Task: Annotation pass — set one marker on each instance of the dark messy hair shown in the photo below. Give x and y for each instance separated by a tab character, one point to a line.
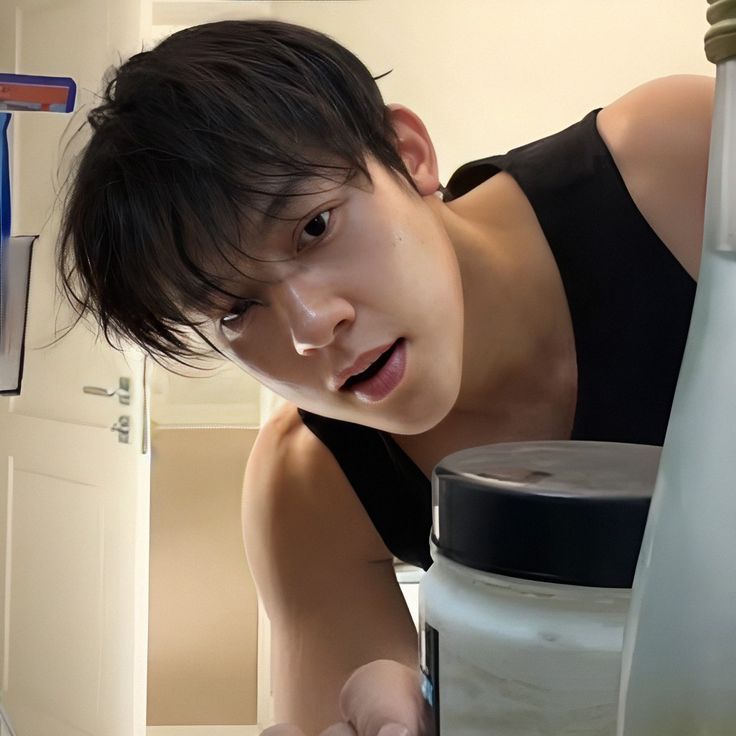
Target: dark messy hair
190	140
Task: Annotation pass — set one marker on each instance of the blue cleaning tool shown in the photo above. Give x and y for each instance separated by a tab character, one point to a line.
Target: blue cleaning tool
19	93
26	93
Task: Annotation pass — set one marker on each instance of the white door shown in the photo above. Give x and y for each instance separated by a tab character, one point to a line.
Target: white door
73	498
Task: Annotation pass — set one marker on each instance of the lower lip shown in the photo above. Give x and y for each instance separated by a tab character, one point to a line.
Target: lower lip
386	380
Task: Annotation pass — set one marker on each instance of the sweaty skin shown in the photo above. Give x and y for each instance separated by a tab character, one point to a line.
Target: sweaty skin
472	290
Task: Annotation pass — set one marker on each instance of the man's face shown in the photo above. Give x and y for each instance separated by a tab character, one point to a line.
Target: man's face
357	313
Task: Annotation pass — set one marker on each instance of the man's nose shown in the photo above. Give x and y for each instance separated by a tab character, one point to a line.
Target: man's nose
315	314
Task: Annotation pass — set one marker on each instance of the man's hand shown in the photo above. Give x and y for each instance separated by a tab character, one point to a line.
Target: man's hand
382	698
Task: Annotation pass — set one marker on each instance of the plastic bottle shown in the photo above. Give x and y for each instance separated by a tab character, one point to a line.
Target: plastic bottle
679	662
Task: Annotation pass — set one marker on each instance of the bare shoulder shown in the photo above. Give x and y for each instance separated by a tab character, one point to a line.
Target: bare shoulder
299	509
659	135
679	95
659	116
285	455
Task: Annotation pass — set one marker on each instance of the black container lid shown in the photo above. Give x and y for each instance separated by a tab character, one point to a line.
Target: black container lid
562	512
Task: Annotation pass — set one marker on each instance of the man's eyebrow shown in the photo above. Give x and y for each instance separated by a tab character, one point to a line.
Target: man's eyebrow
276	204
279	202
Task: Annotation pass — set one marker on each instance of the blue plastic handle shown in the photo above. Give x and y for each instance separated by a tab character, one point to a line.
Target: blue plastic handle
4	178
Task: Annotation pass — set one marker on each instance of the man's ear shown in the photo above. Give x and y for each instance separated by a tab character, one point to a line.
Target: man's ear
415	148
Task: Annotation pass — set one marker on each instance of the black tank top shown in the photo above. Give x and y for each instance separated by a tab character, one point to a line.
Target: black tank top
630	302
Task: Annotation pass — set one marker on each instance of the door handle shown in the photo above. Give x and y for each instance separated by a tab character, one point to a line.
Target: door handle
122	392
122	427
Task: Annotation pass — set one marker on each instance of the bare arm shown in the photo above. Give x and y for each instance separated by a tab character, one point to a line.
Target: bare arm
323	572
659	134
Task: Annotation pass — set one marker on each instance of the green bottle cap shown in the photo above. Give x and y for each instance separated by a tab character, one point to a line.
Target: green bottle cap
720	39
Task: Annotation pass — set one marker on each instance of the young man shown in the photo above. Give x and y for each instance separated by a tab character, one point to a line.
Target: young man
246	191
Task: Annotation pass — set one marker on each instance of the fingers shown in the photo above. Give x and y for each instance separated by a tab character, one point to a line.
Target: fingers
284	729
383	698
393	729
289	729
345	729
339	729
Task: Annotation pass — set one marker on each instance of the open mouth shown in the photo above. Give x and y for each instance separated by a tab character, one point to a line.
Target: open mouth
382	376
372	370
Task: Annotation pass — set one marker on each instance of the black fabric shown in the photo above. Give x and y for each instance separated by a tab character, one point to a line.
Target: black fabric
630	303
393	490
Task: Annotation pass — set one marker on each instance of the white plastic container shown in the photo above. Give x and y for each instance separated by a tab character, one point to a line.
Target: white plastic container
522	612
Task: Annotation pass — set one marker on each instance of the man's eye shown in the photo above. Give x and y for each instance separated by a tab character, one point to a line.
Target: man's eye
315	228
233	317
